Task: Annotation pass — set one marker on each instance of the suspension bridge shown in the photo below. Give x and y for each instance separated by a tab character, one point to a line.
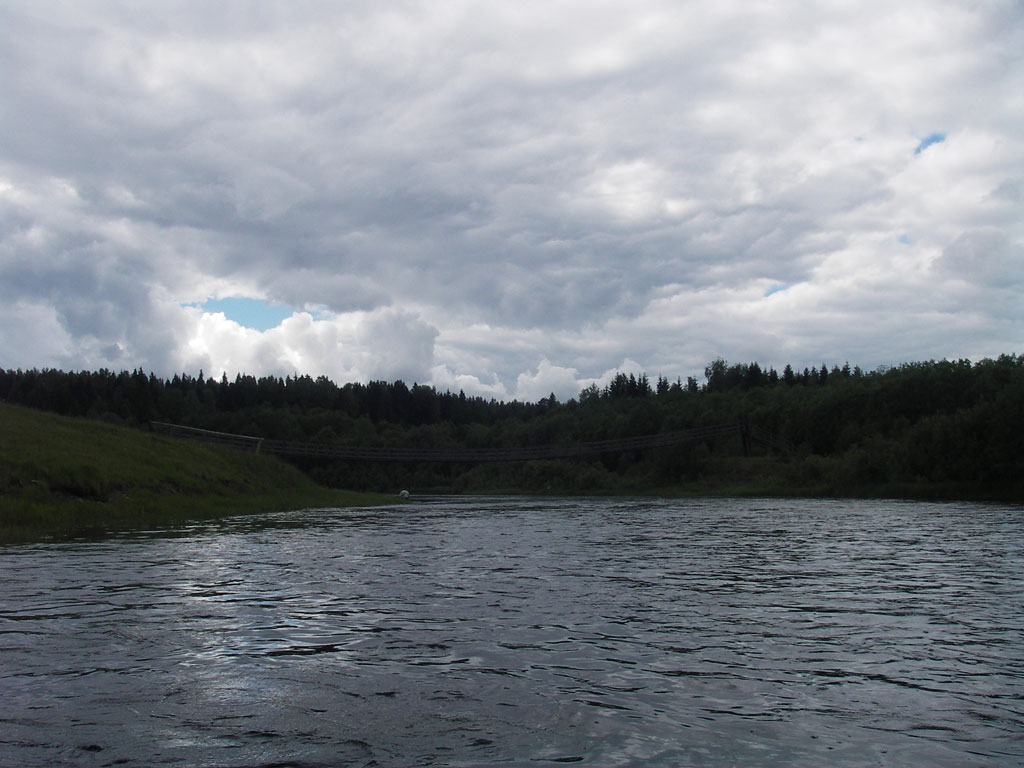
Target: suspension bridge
577	450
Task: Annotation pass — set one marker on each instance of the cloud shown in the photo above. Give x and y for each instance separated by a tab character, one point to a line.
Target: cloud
513	197
546	380
444	379
384	344
985	257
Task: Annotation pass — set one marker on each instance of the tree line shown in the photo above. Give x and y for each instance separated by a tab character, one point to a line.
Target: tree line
954	424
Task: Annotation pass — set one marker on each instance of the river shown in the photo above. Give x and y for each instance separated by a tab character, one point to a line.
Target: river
483	631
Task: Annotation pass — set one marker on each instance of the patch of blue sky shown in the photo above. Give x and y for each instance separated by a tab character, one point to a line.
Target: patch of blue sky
251	313
927	141
776	288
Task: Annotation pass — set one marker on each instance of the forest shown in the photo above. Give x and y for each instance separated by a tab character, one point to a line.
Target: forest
936	429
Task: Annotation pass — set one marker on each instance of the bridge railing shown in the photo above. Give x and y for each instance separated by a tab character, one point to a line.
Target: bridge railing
246	442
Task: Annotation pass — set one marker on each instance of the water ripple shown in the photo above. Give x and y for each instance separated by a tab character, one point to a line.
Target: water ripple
484	631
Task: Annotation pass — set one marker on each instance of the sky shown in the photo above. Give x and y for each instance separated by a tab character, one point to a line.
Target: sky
509	198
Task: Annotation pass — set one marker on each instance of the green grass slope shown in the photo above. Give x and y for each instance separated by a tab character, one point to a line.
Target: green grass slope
62	477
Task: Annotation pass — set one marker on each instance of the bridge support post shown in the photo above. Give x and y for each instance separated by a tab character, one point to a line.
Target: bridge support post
745	434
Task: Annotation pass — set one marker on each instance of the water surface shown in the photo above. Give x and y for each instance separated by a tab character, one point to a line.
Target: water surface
533	632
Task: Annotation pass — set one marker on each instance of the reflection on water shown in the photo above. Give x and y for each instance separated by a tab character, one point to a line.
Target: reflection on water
477	631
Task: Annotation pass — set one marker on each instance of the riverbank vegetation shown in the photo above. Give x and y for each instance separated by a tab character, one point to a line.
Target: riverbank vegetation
937	429
63	477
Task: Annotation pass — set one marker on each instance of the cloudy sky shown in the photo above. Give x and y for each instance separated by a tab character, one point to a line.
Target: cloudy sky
509	198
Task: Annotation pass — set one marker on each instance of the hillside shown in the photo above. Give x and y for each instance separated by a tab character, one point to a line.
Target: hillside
946	429
64	477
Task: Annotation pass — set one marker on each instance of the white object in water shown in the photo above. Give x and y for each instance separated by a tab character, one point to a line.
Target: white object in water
403	495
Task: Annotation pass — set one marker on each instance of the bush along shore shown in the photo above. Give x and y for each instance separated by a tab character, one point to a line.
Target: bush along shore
64	477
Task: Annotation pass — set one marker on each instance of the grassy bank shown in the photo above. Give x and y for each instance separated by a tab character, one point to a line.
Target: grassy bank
62	478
